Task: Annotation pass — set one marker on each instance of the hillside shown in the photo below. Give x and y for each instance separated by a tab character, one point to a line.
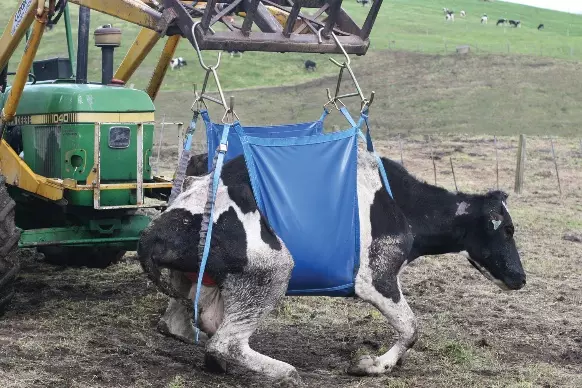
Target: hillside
416	93
409	25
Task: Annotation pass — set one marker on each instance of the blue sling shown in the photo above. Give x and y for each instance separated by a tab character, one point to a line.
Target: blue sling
305	183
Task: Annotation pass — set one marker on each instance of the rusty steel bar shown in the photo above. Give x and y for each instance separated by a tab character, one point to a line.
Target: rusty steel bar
295	43
292	18
250	17
226	10
333	10
370	20
207	17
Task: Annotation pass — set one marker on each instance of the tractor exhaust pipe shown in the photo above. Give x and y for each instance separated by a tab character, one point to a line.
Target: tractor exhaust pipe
83	44
108	38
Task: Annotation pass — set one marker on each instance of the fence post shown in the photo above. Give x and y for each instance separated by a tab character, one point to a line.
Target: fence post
496	161
508	47
520	165
402	158
556	165
432	158
180	140
453	171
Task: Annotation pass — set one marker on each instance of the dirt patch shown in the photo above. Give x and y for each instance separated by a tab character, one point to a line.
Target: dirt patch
96	328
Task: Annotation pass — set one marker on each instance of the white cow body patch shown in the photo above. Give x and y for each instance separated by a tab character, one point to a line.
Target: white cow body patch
462	208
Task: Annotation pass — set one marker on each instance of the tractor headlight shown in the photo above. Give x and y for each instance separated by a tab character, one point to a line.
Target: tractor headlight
119	137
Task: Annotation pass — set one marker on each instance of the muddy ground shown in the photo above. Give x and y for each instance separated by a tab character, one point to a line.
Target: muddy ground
97	328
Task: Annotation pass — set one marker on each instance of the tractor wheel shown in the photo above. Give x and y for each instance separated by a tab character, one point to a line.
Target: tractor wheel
90	257
9	236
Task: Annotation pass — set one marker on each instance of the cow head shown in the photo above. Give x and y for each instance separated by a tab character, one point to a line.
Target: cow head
490	246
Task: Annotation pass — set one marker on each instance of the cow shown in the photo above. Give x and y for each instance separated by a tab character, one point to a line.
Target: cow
484	19
249	266
463	14
363	2
310	65
450	15
540	27
503	22
177	63
515	23
234	53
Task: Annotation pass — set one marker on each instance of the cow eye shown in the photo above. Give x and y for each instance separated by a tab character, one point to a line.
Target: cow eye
509	230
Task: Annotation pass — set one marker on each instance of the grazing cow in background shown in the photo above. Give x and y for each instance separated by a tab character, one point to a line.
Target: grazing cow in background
463	14
484	19
310	65
249	266
363	2
450	16
502	22
540	27
515	23
177	63
234	53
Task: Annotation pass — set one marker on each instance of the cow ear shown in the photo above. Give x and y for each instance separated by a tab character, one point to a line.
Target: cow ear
499	195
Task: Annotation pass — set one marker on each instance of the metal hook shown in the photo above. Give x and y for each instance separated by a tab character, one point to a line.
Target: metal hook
197	48
212	69
346	65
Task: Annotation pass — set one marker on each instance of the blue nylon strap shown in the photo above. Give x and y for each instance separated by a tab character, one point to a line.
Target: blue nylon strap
215	180
323	115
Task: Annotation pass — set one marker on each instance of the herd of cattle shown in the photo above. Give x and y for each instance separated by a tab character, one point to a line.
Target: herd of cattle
450	17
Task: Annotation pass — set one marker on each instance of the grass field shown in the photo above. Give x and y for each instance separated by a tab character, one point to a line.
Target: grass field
410	25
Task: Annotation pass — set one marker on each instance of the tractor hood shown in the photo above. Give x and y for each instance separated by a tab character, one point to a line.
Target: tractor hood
63	97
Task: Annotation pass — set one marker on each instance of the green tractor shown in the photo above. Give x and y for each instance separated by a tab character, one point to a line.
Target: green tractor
75	164
75	156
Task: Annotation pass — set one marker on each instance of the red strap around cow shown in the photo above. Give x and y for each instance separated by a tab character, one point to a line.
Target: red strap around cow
206	279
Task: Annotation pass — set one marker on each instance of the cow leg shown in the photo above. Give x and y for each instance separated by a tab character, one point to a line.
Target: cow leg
377	283
400	316
177	320
248	298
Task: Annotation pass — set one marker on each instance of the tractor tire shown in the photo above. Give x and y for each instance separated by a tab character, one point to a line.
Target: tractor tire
9	236
90	257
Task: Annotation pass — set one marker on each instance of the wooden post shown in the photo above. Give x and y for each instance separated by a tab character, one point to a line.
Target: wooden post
402	158
453	171
496	162
432	158
520	165
556	165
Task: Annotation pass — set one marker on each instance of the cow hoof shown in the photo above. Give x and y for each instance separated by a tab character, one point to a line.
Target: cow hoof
291	379
214	365
366	365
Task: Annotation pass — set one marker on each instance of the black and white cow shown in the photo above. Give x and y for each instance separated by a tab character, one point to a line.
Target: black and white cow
251	266
515	23
484	19
363	2
310	65
177	63
449	15
503	22
540	27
